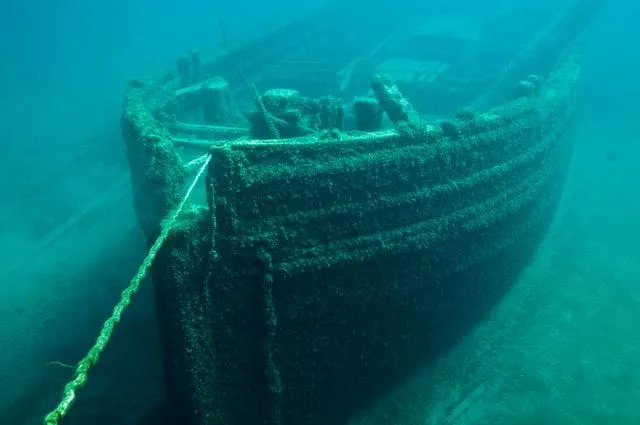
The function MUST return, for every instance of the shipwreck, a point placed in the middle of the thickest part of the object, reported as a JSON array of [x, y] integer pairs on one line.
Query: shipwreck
[[368, 196]]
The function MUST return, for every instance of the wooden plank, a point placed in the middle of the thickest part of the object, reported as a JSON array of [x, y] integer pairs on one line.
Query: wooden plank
[[117, 190], [207, 131], [542, 51]]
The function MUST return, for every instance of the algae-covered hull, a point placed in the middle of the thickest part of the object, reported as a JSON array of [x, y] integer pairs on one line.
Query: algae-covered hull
[[340, 267], [319, 270]]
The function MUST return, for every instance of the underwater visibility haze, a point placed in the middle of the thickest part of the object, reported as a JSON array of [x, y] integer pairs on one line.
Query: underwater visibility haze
[[311, 212]]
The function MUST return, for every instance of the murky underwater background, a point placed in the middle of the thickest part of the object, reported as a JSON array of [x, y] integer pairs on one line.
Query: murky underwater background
[[562, 348]]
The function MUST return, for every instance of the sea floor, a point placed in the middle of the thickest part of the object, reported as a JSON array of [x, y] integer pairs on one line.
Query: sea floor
[[69, 244], [564, 346]]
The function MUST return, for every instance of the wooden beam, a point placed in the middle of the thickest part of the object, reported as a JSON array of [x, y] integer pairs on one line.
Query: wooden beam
[[198, 144], [542, 52], [208, 131], [206, 145]]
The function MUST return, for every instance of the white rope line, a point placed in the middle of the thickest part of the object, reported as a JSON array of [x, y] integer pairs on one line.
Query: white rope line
[[92, 356], [198, 161]]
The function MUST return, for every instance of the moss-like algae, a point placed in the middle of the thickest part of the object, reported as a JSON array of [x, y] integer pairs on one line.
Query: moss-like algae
[[372, 241], [319, 272], [157, 173]]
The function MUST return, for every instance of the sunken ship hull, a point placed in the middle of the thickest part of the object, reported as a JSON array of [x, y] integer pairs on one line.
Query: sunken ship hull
[[318, 271]]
